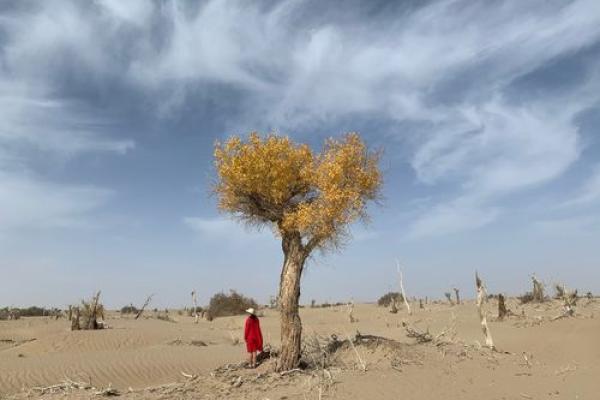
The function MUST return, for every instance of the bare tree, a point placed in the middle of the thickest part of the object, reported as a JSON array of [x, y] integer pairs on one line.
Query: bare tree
[[456, 293], [141, 310]]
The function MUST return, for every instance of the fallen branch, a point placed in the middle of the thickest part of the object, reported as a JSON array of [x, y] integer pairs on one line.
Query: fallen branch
[[141, 311], [422, 337]]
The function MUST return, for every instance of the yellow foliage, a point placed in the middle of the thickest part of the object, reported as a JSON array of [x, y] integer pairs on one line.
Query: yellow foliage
[[274, 180]]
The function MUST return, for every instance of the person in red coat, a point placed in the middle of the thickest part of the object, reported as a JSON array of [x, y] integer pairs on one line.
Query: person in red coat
[[253, 337]]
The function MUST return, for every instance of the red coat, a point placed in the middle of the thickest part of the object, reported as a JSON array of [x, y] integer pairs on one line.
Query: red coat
[[253, 335]]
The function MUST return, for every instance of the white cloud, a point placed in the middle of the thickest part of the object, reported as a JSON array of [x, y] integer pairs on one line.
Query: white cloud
[[445, 64], [448, 218]]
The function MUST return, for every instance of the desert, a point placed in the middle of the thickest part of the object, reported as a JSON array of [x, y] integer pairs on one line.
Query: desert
[[537, 356]]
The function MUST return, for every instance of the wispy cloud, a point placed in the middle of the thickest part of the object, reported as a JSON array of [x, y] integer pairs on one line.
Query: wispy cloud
[[445, 65], [27, 202]]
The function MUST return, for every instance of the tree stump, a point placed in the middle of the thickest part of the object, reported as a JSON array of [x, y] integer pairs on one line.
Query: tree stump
[[502, 312]]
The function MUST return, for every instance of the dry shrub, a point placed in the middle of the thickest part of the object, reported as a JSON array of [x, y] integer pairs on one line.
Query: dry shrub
[[88, 314], [34, 311], [130, 309], [195, 310], [527, 297], [387, 299], [225, 305]]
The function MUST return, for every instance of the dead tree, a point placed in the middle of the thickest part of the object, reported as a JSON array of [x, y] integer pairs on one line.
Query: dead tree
[[141, 310], [569, 299], [195, 304], [449, 297], [421, 304], [456, 293], [92, 311], [393, 307], [70, 313], [538, 290], [481, 299], [350, 307], [502, 312], [75, 318], [402, 289]]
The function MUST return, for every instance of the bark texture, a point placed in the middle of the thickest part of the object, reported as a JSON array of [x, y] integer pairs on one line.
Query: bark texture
[[289, 295]]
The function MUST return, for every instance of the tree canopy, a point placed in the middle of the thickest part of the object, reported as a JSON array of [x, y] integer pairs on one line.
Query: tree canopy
[[272, 180]]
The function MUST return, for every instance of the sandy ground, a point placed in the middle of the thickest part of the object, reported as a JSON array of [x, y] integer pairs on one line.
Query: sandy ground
[[537, 359]]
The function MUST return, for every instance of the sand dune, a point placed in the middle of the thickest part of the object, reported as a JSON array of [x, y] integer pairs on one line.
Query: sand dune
[[563, 356]]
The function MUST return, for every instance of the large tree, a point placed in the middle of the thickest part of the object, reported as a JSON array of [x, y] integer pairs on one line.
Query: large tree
[[309, 199]]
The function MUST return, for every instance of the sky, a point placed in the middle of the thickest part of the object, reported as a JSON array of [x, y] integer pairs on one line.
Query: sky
[[487, 113]]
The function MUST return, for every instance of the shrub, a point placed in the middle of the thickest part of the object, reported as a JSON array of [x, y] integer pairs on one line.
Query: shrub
[[34, 311], [526, 298], [192, 311], [224, 305], [130, 309], [386, 299]]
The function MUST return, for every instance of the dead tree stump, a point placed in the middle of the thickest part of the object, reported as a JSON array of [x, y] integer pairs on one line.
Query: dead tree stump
[[538, 290], [502, 312], [481, 299], [457, 294], [75, 318]]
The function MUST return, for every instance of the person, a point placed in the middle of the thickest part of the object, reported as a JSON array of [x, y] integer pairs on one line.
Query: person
[[253, 337]]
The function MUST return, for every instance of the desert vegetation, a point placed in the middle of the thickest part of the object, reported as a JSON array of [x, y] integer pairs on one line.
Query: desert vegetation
[[309, 199], [228, 304]]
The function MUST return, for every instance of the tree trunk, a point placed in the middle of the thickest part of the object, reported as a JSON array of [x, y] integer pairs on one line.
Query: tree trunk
[[289, 295], [502, 312]]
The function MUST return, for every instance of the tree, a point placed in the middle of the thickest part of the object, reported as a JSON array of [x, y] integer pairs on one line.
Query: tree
[[308, 200]]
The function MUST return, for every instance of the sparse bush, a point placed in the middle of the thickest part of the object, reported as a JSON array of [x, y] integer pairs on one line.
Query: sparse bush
[[192, 311], [130, 309], [387, 299], [234, 303], [526, 298], [34, 311]]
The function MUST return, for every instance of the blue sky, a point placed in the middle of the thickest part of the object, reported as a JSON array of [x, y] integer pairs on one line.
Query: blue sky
[[487, 112]]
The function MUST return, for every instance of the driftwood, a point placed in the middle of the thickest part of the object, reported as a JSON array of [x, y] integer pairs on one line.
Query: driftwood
[[141, 310], [481, 299]]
